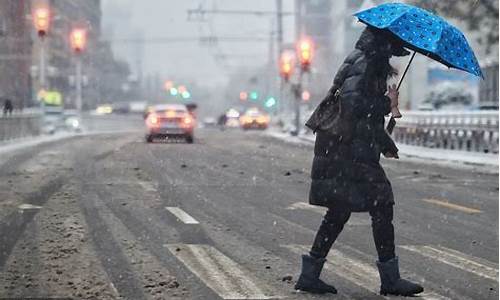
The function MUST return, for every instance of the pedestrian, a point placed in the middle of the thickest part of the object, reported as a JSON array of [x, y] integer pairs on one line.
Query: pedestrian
[[222, 120], [7, 107], [346, 174]]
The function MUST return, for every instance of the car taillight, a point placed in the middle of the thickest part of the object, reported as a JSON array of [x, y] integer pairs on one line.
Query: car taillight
[[152, 120], [188, 121], [261, 120]]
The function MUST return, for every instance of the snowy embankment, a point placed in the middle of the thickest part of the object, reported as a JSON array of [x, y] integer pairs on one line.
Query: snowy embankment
[[451, 158]]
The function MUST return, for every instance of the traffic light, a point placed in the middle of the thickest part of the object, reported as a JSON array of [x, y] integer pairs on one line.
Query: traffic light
[[254, 95], [270, 102], [306, 96], [305, 50], [174, 91], [243, 96], [181, 89], [286, 65], [186, 95], [41, 20], [78, 39], [168, 85]]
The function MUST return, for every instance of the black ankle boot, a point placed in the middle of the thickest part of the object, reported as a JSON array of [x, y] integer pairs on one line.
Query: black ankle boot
[[309, 277], [391, 282]]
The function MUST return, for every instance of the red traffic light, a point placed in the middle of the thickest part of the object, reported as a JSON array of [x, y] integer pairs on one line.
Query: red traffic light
[[305, 49], [286, 64], [169, 84], [78, 39], [306, 95], [243, 96], [41, 20]]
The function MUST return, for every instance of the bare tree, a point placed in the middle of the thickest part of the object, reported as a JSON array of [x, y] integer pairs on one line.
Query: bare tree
[[478, 15]]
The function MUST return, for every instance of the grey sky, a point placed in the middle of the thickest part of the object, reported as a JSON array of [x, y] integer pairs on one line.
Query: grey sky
[[153, 19]]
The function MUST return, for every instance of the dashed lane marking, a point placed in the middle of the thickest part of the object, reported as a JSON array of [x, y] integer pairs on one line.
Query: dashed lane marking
[[322, 210], [27, 206], [447, 204], [356, 271], [182, 215], [218, 272], [456, 259]]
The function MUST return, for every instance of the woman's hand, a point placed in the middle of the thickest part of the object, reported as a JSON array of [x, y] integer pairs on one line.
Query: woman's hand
[[393, 94]]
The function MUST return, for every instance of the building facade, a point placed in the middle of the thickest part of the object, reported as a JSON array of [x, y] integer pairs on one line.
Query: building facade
[[15, 53]]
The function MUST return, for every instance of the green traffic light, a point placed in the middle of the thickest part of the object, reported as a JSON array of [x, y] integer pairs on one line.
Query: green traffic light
[[173, 91], [186, 95], [270, 102], [254, 95]]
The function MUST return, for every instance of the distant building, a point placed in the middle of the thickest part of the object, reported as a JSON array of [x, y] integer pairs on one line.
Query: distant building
[[15, 52]]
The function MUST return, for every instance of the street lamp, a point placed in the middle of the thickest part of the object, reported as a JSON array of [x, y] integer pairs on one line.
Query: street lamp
[[41, 21], [78, 41]]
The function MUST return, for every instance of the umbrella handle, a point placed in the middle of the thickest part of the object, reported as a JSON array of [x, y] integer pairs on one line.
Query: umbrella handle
[[395, 112]]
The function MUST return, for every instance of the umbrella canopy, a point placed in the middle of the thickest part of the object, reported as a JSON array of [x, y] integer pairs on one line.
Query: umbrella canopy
[[425, 33]]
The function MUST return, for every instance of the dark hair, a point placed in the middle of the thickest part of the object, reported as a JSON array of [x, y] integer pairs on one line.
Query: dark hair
[[377, 46]]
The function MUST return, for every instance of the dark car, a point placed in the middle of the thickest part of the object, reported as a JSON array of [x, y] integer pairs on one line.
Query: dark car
[[169, 121]]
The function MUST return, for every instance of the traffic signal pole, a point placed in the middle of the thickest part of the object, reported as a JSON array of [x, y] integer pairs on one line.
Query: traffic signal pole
[[79, 80], [42, 66]]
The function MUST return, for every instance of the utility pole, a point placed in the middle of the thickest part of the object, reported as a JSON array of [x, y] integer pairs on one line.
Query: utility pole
[[279, 40], [298, 87]]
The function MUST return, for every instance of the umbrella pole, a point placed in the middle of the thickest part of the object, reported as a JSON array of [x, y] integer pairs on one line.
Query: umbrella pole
[[406, 70], [392, 121]]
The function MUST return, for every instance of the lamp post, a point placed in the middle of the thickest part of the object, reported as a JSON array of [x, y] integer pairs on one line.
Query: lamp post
[[78, 40]]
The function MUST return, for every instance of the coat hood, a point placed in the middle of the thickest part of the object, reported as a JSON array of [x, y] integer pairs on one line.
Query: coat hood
[[377, 42]]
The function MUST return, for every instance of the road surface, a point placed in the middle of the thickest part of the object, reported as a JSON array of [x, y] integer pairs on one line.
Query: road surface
[[108, 216]]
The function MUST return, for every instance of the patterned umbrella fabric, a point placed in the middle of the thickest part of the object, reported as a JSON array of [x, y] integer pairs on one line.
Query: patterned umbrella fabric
[[425, 33]]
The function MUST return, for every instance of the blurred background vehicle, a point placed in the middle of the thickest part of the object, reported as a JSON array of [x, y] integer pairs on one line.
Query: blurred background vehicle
[[72, 121], [232, 118], [209, 122], [253, 118], [104, 109], [169, 121]]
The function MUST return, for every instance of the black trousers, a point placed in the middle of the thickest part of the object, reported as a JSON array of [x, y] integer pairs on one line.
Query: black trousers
[[334, 221]]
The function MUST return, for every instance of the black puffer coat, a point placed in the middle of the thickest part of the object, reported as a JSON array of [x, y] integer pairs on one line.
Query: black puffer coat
[[346, 168]]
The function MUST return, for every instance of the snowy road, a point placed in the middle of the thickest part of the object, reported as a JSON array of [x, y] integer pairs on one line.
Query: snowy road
[[108, 216]]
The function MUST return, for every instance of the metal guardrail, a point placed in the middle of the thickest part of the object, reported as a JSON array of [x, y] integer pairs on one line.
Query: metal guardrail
[[466, 131], [19, 125]]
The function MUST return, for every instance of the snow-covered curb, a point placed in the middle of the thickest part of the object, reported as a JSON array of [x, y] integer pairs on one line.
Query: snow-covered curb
[[21, 143], [449, 158]]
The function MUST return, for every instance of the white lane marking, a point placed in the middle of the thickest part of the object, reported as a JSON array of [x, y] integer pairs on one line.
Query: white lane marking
[[26, 206], [456, 259], [356, 271], [353, 221], [217, 271], [182, 215]]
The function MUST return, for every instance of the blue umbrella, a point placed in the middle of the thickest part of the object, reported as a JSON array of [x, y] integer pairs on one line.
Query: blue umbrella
[[423, 32]]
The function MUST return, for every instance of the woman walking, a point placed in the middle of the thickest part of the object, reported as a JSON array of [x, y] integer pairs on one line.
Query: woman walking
[[346, 174]]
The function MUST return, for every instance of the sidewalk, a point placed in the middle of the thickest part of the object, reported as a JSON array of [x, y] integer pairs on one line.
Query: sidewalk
[[449, 158]]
